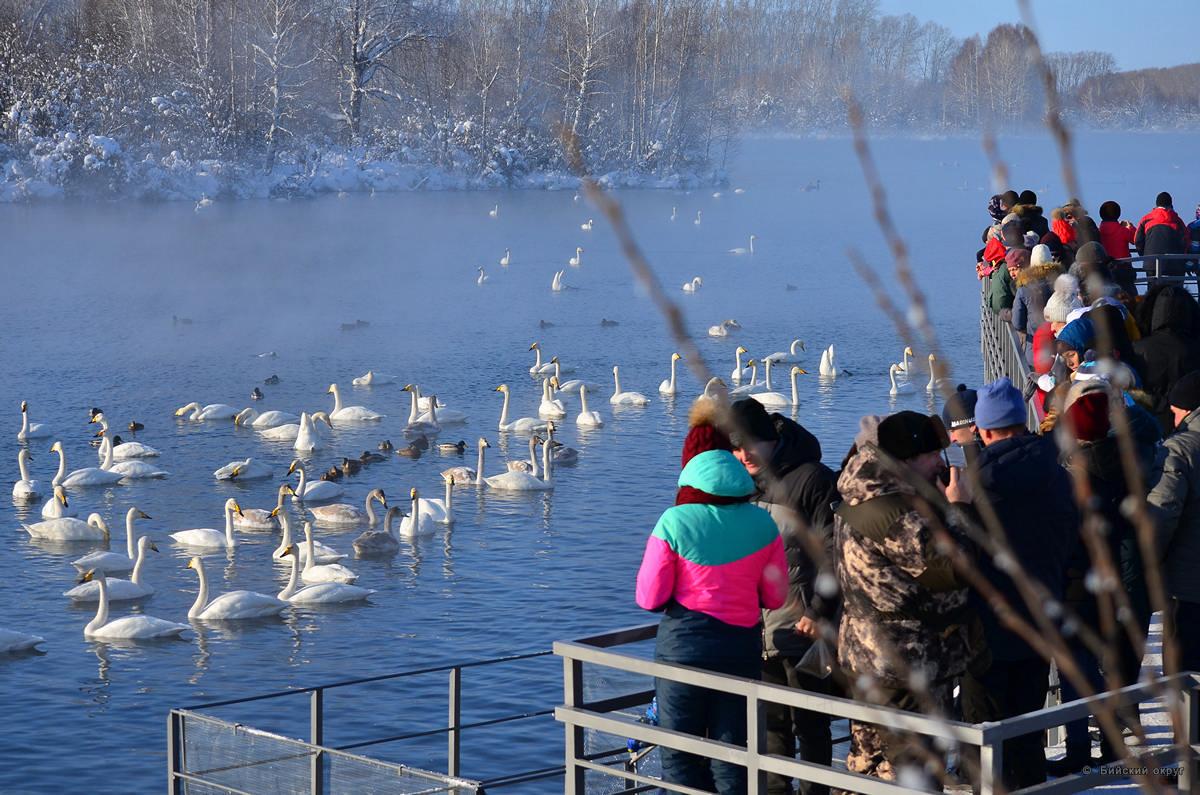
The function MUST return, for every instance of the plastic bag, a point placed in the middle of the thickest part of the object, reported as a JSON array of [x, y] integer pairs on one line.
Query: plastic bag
[[819, 660]]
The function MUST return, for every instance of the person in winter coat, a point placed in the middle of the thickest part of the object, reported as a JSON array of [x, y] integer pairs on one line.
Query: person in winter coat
[[1031, 215], [1035, 285], [1031, 497], [1117, 236], [905, 615], [713, 562], [1194, 233], [1092, 269], [1161, 231], [1175, 499], [1059, 307], [1062, 224], [1172, 348], [799, 492]]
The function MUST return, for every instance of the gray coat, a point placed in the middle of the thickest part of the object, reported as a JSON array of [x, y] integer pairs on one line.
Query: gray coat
[[1175, 499]]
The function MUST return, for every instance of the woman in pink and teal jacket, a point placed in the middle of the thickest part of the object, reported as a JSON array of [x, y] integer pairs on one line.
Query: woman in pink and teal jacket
[[713, 562]]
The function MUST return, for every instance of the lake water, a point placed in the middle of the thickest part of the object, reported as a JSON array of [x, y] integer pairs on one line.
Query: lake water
[[91, 293]]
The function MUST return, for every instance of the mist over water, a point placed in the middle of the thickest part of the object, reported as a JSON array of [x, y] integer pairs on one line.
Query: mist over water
[[88, 321]]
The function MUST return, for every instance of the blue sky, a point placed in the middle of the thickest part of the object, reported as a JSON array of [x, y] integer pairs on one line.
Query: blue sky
[[1139, 36]]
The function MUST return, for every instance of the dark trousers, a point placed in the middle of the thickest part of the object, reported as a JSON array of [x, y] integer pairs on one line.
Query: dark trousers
[[1009, 688], [787, 726], [1079, 739], [1187, 633], [690, 638]]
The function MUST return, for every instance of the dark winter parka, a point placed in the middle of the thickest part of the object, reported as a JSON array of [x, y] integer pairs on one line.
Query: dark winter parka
[[1175, 500], [1172, 349], [1032, 497], [799, 494], [1032, 219]]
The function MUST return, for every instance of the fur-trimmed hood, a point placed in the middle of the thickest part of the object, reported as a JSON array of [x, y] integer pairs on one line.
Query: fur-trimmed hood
[[1027, 209], [706, 411], [1040, 273]]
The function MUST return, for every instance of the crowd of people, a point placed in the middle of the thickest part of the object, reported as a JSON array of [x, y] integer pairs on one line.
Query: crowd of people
[[927, 573]]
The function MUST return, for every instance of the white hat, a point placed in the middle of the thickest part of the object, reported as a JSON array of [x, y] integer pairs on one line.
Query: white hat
[[1041, 255]]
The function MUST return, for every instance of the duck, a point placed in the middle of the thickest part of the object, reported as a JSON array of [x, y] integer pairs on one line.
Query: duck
[[464, 475], [620, 398], [901, 387], [550, 407], [12, 641], [771, 399], [544, 324], [207, 537], [667, 387], [115, 562], [411, 451], [521, 424], [426, 512], [557, 284], [350, 466], [791, 356], [251, 418], [321, 593], [213, 411], [334, 473], [739, 252], [256, 394], [368, 457], [576, 260], [135, 426], [313, 572], [57, 506], [452, 448], [68, 528], [694, 285], [386, 446], [587, 227], [325, 554], [136, 627], [271, 380], [350, 413], [119, 590], [246, 469], [372, 378], [379, 543], [482, 276], [586, 418], [342, 514], [507, 258], [317, 491], [739, 372], [132, 469], [26, 489], [88, 476], [31, 430], [522, 481], [230, 606], [828, 367], [606, 323], [722, 329], [262, 518]]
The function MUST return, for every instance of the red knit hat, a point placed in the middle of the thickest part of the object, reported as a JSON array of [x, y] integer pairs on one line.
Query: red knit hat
[[701, 439], [1087, 416]]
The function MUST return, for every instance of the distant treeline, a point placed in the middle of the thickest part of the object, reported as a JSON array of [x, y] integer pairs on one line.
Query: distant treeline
[[484, 86]]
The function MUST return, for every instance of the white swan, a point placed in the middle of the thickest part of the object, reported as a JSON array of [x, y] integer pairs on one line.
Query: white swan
[[234, 605], [317, 490], [118, 590], [754, 387], [350, 413], [667, 387], [132, 469], [674, 213], [620, 398], [425, 404], [343, 514], [115, 562], [936, 383], [31, 430], [213, 411], [697, 221], [264, 421], [899, 388], [291, 431], [464, 475], [507, 258], [307, 438], [207, 537], [790, 356], [715, 390], [322, 593], [379, 543], [139, 627], [829, 368], [903, 366], [586, 418], [737, 252], [520, 425], [538, 367], [576, 260], [429, 511], [722, 328], [515, 480], [68, 528], [557, 284], [550, 407], [372, 378], [423, 423], [262, 518], [88, 476], [325, 554], [482, 276], [739, 372], [314, 572], [777, 400], [12, 641], [587, 227], [494, 212], [122, 450], [26, 489], [246, 469], [57, 506], [695, 284]]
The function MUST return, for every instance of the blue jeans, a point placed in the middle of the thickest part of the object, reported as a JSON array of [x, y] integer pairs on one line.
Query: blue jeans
[[691, 638]]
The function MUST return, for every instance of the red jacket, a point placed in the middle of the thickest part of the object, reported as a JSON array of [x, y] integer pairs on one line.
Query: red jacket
[[993, 251], [1116, 238], [1043, 349], [1064, 230]]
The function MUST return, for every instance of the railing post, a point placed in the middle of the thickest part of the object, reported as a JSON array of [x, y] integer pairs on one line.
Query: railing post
[[454, 751], [991, 767], [316, 720], [1191, 734], [756, 740], [574, 782], [174, 752]]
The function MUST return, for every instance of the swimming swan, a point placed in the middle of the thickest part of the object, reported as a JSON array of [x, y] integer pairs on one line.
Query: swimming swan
[[26, 489], [88, 476], [520, 425], [739, 372], [325, 554], [31, 430], [667, 387], [790, 356], [12, 641], [445, 415], [426, 513], [122, 450], [291, 431], [207, 537], [464, 475], [738, 252], [936, 383], [343, 514], [350, 413], [586, 418], [901, 388], [379, 543], [313, 572], [307, 438], [118, 590], [576, 260], [262, 518], [482, 276], [234, 605], [246, 469], [316, 491], [587, 227], [550, 407], [521, 481], [507, 258], [694, 285], [372, 378], [213, 411], [777, 400], [322, 593], [828, 368], [754, 387], [557, 284], [115, 562], [264, 421], [57, 506], [620, 398], [132, 469], [139, 627], [68, 528], [722, 328]]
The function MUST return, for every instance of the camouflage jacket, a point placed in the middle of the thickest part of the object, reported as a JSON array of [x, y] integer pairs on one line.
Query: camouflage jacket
[[903, 608]]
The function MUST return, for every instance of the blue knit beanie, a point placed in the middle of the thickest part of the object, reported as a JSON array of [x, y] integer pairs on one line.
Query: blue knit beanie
[[1079, 334], [1000, 405]]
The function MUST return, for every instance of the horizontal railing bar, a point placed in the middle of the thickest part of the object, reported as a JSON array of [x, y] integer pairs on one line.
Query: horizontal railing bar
[[445, 729], [614, 703], [622, 636], [641, 778], [205, 783], [523, 777], [594, 755], [370, 679], [1077, 782]]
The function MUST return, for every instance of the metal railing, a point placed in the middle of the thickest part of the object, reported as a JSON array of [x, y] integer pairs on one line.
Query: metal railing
[[1002, 353], [604, 716]]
